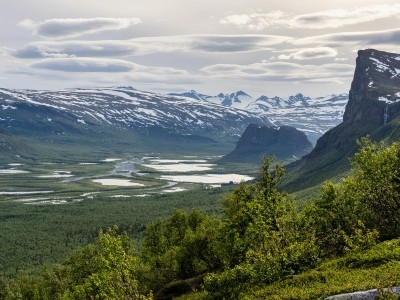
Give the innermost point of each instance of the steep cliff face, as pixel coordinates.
(283, 142)
(374, 100)
(373, 109)
(375, 91)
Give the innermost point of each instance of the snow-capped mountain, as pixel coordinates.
(122, 111)
(238, 99)
(313, 116)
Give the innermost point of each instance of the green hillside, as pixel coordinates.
(330, 159)
(263, 245)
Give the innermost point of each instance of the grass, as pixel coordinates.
(330, 158)
(378, 267)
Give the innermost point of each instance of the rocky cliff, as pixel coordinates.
(283, 142)
(375, 90)
(372, 110)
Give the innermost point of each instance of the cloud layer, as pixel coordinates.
(362, 38)
(66, 28)
(149, 45)
(258, 20)
(303, 45)
(310, 53)
(280, 71)
(84, 65)
(341, 17)
(105, 71)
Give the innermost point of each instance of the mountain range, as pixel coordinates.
(110, 119)
(313, 116)
(116, 118)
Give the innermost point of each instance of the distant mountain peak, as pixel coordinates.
(262, 98)
(299, 97)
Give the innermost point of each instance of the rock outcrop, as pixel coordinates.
(374, 102)
(365, 295)
(375, 91)
(283, 142)
(374, 99)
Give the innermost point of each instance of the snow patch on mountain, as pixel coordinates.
(314, 116)
(128, 109)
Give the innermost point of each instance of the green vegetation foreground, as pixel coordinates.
(263, 245)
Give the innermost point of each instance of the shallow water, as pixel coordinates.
(181, 168)
(208, 178)
(117, 182)
(13, 171)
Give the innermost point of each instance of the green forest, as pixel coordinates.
(264, 244)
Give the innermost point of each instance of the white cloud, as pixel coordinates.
(281, 71)
(76, 72)
(90, 72)
(371, 38)
(65, 28)
(4, 51)
(341, 17)
(255, 20)
(148, 45)
(45, 49)
(100, 65)
(83, 65)
(323, 19)
(310, 53)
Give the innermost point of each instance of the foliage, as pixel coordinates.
(356, 271)
(338, 222)
(263, 241)
(365, 206)
(182, 246)
(106, 269)
(375, 184)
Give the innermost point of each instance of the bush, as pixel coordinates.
(182, 246)
(264, 237)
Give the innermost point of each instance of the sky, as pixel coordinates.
(263, 47)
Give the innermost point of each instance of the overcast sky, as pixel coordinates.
(259, 46)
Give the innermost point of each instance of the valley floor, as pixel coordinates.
(48, 209)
